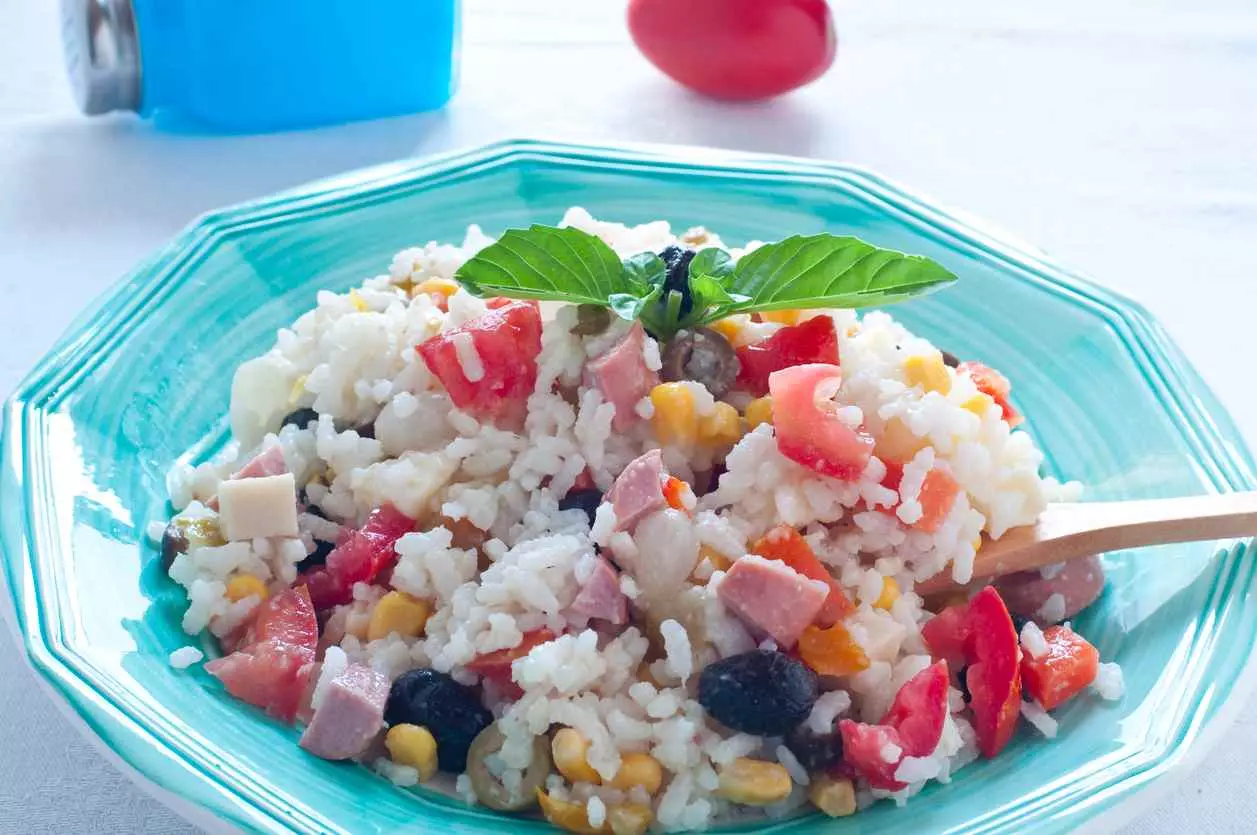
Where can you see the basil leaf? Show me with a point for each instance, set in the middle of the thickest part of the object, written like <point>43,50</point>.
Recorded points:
<point>543,262</point>
<point>713,262</point>
<point>644,272</point>
<point>709,292</point>
<point>829,271</point>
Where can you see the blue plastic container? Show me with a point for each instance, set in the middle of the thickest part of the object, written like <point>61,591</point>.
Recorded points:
<point>261,65</point>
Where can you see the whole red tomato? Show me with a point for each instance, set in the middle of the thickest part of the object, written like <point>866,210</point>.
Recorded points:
<point>736,49</point>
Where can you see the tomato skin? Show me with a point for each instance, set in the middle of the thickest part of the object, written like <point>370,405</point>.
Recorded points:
<point>807,429</point>
<point>914,724</point>
<point>1070,664</point>
<point>736,49</point>
<point>937,497</point>
<point>507,339</point>
<point>995,386</point>
<point>785,544</point>
<point>994,674</point>
<point>496,665</point>
<point>811,341</point>
<point>287,617</point>
<point>946,634</point>
<point>365,554</point>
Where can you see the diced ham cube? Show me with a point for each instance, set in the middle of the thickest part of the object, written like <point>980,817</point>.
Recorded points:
<point>621,374</point>
<point>349,716</point>
<point>267,462</point>
<point>258,507</point>
<point>638,491</point>
<point>772,597</point>
<point>600,597</point>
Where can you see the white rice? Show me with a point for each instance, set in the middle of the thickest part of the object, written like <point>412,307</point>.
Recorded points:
<point>1109,683</point>
<point>1032,640</point>
<point>185,657</point>
<point>1039,718</point>
<point>352,359</point>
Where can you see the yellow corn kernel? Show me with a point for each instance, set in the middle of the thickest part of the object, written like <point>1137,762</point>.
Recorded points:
<point>723,425</point>
<point>629,818</point>
<point>241,586</point>
<point>569,750</point>
<point>890,593</point>
<point>675,419</point>
<point>782,317</point>
<point>359,303</point>
<point>978,404</point>
<point>412,745</point>
<point>833,796</point>
<point>728,328</point>
<point>754,782</point>
<point>639,770</point>
<point>928,371</point>
<point>759,410</point>
<point>896,442</point>
<point>398,612</point>
<point>719,562</point>
<point>441,286</point>
<point>570,816</point>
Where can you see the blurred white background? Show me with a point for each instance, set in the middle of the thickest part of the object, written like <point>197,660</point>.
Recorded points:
<point>1120,137</point>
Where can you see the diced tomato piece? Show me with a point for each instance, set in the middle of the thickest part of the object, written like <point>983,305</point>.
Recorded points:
<point>995,386</point>
<point>288,618</point>
<point>920,709</point>
<point>807,426</point>
<point>367,553</point>
<point>674,490</point>
<point>272,667</point>
<point>271,675</point>
<point>938,495</point>
<point>499,302</point>
<point>787,545</point>
<point>810,341</point>
<point>994,673</point>
<point>507,340</point>
<point>1070,664</point>
<point>584,481</point>
<point>894,475</point>
<point>946,633</point>
<point>914,725</point>
<point>832,651</point>
<point>326,589</point>
<point>496,665</point>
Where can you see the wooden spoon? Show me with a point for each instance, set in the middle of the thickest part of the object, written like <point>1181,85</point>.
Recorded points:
<point>1072,531</point>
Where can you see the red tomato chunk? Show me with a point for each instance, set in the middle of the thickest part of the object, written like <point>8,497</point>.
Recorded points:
<point>811,341</point>
<point>496,666</point>
<point>914,725</point>
<point>995,386</point>
<point>808,430</point>
<point>507,340</point>
<point>1068,666</point>
<point>787,545</point>
<point>994,674</point>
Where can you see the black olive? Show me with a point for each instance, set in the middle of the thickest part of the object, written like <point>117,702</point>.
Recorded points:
<point>173,543</point>
<point>950,359</point>
<point>962,678</point>
<point>318,556</point>
<point>678,259</point>
<point>591,320</point>
<point>702,355</point>
<point>815,752</point>
<point>758,692</point>
<point>587,500</point>
<point>366,430</point>
<point>450,711</point>
<point>300,418</point>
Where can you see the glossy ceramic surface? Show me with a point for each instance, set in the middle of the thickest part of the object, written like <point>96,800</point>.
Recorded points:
<point>142,380</point>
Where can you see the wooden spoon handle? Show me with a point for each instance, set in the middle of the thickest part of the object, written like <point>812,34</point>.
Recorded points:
<point>1071,531</point>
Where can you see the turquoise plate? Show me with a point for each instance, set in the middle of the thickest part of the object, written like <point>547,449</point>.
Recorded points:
<point>141,381</point>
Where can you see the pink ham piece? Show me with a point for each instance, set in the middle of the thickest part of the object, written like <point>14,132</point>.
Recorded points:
<point>600,597</point>
<point>772,597</point>
<point>1053,594</point>
<point>638,491</point>
<point>349,716</point>
<point>622,376</point>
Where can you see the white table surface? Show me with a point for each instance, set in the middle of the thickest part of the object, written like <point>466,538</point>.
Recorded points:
<point>1120,137</point>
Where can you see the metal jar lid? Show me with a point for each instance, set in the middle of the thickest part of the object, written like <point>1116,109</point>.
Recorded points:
<point>102,54</point>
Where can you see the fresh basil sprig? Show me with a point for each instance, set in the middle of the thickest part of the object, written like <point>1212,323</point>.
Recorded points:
<point>801,272</point>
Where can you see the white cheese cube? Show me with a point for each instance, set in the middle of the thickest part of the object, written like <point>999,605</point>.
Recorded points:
<point>250,508</point>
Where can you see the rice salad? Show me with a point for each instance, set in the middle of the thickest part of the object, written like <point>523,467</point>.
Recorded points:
<point>643,560</point>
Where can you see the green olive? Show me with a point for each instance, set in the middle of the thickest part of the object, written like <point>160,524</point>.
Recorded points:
<point>489,790</point>
<point>591,320</point>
